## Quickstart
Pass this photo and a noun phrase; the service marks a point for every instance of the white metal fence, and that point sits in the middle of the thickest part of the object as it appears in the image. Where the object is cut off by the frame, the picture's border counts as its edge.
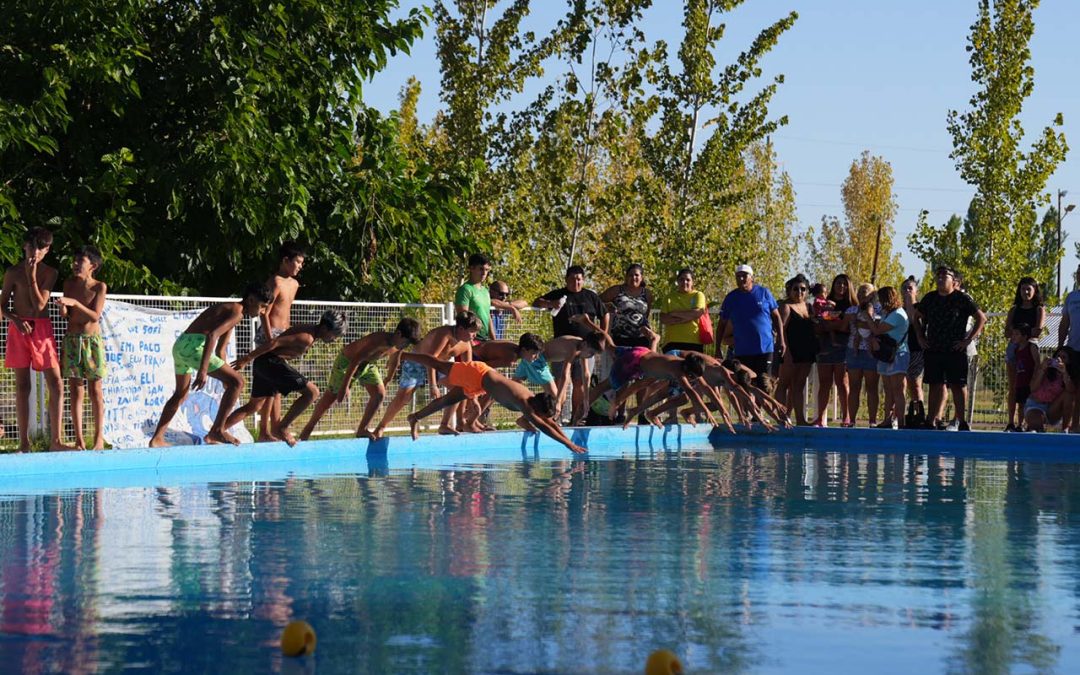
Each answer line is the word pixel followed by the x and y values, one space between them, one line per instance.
pixel 988 379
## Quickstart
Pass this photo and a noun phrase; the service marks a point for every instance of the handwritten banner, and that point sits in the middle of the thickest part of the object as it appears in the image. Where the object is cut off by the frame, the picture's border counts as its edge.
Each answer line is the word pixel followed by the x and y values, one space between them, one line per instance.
pixel 140 379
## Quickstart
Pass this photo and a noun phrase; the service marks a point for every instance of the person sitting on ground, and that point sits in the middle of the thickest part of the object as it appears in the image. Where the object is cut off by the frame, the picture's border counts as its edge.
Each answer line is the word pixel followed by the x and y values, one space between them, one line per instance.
pixel 200 351
pixel 442 343
pixel 271 374
pixel 1025 359
pixel 1027 309
pixel 356 361
pixel 474 378
pixel 1049 399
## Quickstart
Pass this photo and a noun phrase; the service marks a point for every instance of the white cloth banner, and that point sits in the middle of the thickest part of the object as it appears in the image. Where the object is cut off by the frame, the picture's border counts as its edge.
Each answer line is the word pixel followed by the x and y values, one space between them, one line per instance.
pixel 140 378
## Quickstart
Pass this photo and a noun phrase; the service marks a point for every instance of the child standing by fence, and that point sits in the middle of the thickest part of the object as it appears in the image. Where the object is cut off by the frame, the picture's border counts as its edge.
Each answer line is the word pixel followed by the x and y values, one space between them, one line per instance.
pixel 83 349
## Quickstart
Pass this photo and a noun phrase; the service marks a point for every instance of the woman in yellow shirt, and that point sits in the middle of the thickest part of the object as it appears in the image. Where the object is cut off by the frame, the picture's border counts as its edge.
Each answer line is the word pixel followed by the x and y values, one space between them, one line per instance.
pixel 681 314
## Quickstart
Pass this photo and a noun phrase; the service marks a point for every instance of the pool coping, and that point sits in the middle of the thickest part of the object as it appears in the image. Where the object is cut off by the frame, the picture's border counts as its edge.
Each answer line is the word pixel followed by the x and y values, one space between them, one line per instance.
pixel 34 472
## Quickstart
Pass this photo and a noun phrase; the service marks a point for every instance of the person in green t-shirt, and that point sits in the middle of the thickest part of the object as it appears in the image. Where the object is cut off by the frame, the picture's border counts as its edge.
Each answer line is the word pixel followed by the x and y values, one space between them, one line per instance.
pixel 681 314
pixel 473 295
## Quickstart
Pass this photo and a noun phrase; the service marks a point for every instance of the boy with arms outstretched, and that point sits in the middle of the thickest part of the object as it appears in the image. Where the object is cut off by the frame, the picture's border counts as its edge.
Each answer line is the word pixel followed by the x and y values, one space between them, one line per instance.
pixel 83 350
pixel 475 378
pixel 200 351
pixel 440 343
pixel 276 320
pixel 271 375
pixel 357 361
pixel 31 343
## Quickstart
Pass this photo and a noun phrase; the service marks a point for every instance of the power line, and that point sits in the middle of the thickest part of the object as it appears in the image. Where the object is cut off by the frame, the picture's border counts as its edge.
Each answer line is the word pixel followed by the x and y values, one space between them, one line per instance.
pixel 823 141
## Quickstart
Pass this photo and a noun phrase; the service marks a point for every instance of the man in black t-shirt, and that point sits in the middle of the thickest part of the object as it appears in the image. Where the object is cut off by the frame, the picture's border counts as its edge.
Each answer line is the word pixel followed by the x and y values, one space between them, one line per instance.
pixel 941 321
pixel 569 305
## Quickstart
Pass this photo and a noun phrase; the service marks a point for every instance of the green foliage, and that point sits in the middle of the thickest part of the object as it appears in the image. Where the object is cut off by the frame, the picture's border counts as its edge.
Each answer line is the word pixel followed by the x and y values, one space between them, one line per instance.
pixel 606 165
pixel 869 204
pixel 998 245
pixel 188 139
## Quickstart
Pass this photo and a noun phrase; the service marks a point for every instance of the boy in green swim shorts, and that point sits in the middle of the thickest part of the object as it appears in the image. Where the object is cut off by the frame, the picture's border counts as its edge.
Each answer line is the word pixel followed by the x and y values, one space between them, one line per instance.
pixel 356 362
pixel 82 354
pixel 200 351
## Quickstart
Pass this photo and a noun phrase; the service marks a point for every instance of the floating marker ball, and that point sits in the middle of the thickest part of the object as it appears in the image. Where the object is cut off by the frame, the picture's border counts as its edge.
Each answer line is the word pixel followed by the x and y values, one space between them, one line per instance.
pixel 298 639
pixel 663 662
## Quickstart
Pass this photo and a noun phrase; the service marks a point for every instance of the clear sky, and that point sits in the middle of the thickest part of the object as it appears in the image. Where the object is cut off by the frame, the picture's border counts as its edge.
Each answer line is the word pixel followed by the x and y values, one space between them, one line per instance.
pixel 860 74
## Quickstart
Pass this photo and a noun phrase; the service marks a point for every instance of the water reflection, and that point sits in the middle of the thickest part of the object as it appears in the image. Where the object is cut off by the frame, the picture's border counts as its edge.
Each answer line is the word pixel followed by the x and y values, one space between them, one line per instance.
pixel 740 561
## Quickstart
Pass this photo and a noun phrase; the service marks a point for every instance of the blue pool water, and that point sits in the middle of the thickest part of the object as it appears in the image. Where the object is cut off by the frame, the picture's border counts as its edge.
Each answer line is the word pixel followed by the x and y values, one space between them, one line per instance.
pixel 739 561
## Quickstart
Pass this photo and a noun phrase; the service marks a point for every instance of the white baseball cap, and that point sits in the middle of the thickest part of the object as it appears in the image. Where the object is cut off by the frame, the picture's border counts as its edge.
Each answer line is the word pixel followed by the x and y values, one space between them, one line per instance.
pixel 744 268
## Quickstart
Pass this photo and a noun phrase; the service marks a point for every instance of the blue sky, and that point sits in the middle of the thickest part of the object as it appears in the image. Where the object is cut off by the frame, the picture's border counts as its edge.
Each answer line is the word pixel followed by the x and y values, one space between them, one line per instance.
pixel 860 74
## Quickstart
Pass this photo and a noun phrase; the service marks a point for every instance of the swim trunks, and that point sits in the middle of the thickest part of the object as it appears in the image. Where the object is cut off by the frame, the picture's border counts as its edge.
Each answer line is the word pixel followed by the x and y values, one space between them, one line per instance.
pixel 187 353
pixel 469 375
pixel 36 350
pixel 260 338
pixel 627 366
pixel 272 375
pixel 413 375
pixel 366 374
pixel 534 372
pixel 83 357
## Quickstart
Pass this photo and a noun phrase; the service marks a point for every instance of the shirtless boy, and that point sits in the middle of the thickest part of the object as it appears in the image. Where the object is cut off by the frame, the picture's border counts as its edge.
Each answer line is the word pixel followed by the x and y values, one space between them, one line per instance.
pixel 83 350
pixel 357 362
pixel 200 351
pixel 441 343
pixel 271 375
pixel 564 351
pixel 474 378
pixel 275 321
pixel 30 340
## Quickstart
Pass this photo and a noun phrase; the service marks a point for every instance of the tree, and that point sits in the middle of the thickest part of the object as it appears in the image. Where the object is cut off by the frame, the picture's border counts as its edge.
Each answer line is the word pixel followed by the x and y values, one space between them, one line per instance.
pixel 1010 183
pixel 188 139
pixel 869 209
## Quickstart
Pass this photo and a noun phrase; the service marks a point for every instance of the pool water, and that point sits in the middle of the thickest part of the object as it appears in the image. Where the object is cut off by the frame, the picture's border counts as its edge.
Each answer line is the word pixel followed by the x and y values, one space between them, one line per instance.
pixel 738 561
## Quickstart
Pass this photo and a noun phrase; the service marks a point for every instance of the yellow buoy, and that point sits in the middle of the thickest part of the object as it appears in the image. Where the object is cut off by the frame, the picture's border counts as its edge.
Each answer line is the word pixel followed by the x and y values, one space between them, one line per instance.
pixel 297 639
pixel 663 662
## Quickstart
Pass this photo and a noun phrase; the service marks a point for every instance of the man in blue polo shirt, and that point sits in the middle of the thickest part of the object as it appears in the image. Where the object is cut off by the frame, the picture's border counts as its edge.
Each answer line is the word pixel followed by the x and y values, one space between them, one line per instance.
pixel 754 318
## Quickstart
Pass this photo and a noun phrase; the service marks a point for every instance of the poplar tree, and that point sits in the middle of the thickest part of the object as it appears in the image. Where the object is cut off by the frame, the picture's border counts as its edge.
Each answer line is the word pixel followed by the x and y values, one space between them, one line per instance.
pixel 1009 181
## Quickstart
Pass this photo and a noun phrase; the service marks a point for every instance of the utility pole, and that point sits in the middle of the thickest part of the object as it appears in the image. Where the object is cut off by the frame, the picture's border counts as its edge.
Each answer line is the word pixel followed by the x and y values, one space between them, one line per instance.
pixel 1060 215
pixel 877 250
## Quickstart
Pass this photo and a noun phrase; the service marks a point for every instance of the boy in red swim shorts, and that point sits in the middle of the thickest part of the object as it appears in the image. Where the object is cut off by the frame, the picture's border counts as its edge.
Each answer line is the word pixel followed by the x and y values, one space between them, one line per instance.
pixel 30 340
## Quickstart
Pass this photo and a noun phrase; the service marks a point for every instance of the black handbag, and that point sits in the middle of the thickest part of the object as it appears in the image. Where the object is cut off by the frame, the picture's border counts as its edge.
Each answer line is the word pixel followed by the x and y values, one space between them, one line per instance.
pixel 886 349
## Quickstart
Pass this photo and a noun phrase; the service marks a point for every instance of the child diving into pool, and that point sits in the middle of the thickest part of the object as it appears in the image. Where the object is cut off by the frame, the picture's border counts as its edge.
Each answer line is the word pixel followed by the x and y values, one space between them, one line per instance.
pixel 475 378
pixel 641 369
pixel 441 343
pixel 271 375
pixel 200 351
pixel 356 361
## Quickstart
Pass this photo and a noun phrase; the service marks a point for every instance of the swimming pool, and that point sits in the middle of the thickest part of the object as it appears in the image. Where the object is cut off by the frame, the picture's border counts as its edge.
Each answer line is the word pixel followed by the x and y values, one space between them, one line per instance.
pixel 739 560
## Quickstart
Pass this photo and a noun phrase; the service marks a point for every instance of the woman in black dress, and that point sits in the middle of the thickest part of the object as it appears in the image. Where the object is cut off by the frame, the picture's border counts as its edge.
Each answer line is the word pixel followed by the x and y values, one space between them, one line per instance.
pixel 802 348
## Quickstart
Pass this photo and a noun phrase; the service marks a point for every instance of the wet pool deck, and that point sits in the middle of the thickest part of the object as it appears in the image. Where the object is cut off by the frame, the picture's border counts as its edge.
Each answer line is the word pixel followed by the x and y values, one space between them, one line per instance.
pixel 44 472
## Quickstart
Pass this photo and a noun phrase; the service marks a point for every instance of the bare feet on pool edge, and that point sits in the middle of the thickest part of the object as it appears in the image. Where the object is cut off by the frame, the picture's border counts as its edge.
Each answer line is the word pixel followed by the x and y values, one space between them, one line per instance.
pixel 444 430
pixel 414 427
pixel 58 445
pixel 268 437
pixel 365 433
pixel 219 437
pixel 286 436
pixel 99 446
pixel 156 442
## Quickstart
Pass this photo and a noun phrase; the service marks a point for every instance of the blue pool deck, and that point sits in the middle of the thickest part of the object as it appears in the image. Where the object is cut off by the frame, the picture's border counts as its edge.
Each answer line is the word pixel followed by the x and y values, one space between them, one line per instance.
pixel 32 473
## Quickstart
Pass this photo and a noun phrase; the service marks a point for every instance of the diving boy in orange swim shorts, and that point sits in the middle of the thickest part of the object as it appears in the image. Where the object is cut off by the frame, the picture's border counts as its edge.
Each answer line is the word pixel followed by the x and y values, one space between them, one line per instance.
pixel 31 344
pixel 473 378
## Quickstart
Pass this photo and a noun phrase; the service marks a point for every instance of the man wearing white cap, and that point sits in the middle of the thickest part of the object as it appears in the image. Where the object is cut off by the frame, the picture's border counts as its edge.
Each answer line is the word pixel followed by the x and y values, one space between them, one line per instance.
pixel 754 317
